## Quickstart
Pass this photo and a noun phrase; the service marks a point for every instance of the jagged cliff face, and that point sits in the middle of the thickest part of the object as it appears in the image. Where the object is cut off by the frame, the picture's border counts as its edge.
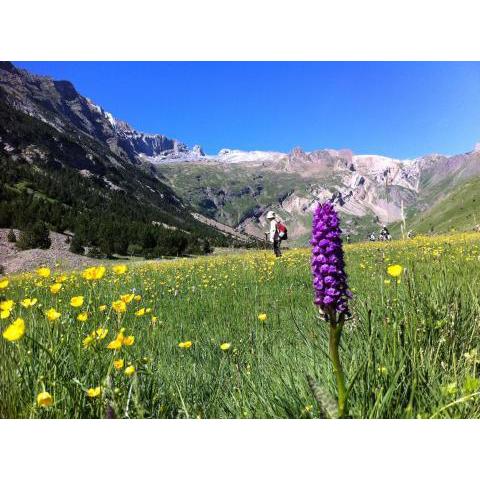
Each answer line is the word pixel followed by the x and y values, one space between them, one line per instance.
pixel 57 103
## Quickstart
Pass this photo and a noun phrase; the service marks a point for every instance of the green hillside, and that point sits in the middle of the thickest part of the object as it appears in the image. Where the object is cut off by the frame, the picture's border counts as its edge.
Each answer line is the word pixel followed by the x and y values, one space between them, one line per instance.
pixel 458 209
pixel 232 193
pixel 229 193
pixel 41 179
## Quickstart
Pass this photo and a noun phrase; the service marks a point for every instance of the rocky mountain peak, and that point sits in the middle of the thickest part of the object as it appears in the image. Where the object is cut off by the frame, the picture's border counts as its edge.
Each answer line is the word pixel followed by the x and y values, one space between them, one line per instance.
pixel 198 151
pixel 297 153
pixel 58 103
pixel 8 67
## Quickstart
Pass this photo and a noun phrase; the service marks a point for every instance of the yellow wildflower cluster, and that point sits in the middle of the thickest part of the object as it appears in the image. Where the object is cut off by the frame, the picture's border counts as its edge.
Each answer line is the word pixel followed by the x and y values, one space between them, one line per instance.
pixel 94 273
pixel 121 340
pixel 96 335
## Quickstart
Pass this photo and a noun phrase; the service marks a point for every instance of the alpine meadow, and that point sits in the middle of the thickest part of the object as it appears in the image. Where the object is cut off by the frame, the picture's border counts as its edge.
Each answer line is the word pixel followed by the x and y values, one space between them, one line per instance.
pixel 238 336
pixel 141 277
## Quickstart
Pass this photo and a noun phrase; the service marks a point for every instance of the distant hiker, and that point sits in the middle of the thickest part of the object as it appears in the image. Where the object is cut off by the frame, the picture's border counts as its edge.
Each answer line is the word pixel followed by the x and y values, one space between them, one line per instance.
pixel 410 234
pixel 277 233
pixel 372 237
pixel 347 238
pixel 385 234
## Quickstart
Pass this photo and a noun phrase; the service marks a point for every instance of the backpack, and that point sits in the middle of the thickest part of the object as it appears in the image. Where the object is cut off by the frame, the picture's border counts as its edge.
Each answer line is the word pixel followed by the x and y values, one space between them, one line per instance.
pixel 282 231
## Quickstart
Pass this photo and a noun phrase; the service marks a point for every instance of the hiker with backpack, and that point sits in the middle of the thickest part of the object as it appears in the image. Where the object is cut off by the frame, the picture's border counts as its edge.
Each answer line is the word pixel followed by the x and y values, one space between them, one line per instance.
pixel 385 234
pixel 278 232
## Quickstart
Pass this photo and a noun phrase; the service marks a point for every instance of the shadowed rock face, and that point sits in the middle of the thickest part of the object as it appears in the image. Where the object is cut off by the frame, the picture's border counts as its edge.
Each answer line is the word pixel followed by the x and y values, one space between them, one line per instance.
pixel 58 103
pixel 46 125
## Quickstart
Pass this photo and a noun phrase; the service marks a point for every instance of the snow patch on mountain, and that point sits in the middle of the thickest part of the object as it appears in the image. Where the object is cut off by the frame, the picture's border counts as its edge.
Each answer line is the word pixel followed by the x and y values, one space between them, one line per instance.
pixel 227 155
pixel 374 163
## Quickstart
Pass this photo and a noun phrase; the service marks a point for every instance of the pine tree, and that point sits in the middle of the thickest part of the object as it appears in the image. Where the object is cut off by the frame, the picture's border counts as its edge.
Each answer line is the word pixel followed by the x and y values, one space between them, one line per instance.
pixel 76 245
pixel 206 247
pixel 11 237
pixel 36 236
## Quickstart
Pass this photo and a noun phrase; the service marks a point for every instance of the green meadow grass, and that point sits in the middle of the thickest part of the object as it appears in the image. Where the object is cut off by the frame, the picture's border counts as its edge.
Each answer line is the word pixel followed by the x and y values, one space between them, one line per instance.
pixel 410 349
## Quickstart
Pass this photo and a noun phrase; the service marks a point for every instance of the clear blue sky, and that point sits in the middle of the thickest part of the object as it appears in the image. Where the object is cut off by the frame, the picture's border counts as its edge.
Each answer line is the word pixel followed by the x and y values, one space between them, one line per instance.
pixel 399 109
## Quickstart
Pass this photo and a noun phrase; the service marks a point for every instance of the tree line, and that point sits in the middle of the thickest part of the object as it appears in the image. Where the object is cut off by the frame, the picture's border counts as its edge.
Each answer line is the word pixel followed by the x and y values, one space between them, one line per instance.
pixel 106 222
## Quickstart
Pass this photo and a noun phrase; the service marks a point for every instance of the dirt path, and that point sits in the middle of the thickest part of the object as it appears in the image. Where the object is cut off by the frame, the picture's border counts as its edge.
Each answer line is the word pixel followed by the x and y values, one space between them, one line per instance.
pixel 57 256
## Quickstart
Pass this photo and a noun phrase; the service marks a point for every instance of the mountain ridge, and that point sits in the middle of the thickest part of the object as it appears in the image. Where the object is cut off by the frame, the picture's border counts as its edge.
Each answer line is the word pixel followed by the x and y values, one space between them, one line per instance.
pixel 237 187
pixel 368 186
pixel 51 136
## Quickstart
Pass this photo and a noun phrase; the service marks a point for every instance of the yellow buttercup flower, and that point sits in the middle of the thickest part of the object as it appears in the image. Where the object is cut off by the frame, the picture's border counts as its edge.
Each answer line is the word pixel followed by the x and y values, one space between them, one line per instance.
pixel 115 344
pixel 44 399
pixel 55 288
pixel 87 341
pixel 15 331
pixel 225 346
pixel 119 306
pixel 121 340
pixel 4 283
pixel 140 313
pixel 119 269
pixel 129 371
pixel 118 364
pixel 262 317
pixel 61 278
pixel 4 314
pixel 28 302
pixel 101 333
pixel 394 270
pixel 43 272
pixel 102 308
pixel 7 305
pixel 52 314
pixel 307 409
pixel 82 317
pixel 127 298
pixel 94 273
pixel 137 298
pixel 94 392
pixel 186 344
pixel 76 301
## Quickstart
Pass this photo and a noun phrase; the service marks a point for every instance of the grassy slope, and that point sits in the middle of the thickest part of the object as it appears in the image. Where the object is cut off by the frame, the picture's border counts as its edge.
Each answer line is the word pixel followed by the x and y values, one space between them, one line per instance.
pixel 406 343
pixel 458 209
pixel 191 180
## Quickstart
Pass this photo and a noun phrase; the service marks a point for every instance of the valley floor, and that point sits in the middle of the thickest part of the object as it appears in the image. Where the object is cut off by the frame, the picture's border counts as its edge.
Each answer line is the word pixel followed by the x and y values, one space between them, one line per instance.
pixel 235 336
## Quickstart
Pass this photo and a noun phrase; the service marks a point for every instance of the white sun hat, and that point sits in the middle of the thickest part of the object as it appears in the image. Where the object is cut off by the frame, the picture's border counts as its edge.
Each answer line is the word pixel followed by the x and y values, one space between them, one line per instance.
pixel 270 215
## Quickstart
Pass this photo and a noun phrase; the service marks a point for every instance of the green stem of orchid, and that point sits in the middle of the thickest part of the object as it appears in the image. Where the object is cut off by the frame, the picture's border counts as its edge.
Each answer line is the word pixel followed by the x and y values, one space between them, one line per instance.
pixel 334 343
